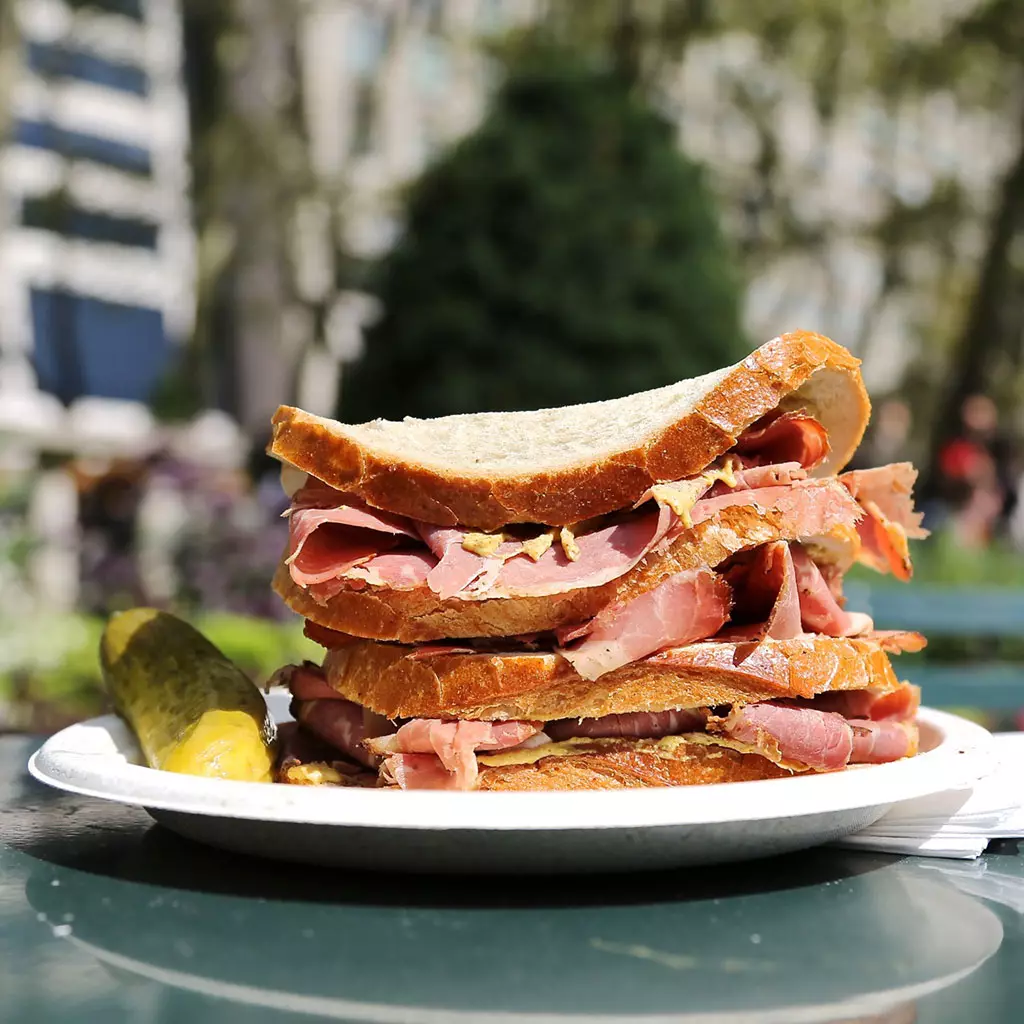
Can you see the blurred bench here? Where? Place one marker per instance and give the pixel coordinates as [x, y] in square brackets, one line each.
[952, 612]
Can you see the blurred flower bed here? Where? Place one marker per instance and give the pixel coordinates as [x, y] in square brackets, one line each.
[82, 539]
[50, 672]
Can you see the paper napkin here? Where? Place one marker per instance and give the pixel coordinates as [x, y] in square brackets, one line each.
[959, 823]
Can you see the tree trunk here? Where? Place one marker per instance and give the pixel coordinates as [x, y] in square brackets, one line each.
[983, 333]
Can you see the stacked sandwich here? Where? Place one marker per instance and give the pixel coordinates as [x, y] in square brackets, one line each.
[640, 592]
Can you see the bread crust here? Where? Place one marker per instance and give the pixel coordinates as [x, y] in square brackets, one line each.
[418, 615]
[632, 766]
[544, 686]
[775, 373]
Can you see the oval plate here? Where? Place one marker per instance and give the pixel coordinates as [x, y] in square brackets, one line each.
[511, 832]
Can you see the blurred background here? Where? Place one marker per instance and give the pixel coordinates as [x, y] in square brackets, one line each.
[391, 207]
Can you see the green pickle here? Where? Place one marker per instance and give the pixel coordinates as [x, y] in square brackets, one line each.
[192, 710]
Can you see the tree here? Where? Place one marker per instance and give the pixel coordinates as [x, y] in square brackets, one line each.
[885, 86]
[989, 351]
[263, 212]
[565, 251]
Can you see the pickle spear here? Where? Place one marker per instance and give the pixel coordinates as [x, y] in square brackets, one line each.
[192, 710]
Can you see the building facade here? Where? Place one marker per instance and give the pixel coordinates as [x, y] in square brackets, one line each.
[96, 246]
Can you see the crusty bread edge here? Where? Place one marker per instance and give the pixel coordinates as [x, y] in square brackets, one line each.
[633, 764]
[640, 763]
[770, 375]
[544, 686]
[623, 764]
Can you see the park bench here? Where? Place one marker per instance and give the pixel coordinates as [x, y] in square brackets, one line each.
[948, 611]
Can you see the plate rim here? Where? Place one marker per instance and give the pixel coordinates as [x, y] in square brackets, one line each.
[962, 756]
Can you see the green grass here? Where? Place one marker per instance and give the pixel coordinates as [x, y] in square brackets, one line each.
[55, 661]
[940, 560]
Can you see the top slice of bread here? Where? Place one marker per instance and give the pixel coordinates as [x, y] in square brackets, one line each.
[560, 466]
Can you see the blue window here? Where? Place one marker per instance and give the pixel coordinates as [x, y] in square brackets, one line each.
[122, 155]
[53, 60]
[53, 213]
[85, 346]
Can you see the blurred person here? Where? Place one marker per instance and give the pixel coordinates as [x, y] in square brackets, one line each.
[110, 494]
[52, 535]
[890, 433]
[1015, 513]
[233, 538]
[163, 518]
[973, 467]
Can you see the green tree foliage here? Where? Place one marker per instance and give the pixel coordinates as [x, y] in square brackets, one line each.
[565, 251]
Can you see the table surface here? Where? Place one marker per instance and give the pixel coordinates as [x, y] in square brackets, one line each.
[105, 916]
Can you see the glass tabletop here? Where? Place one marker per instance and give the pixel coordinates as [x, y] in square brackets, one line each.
[105, 916]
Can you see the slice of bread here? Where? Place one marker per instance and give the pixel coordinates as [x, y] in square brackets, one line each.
[420, 615]
[543, 686]
[599, 764]
[561, 466]
[689, 760]
[632, 764]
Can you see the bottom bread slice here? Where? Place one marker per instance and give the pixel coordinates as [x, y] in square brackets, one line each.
[631, 764]
[581, 764]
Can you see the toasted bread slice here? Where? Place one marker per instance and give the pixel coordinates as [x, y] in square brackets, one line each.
[597, 764]
[420, 615]
[561, 466]
[688, 760]
[633, 764]
[401, 682]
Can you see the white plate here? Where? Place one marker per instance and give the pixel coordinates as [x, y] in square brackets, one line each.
[518, 832]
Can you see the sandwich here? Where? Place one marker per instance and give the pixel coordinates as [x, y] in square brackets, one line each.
[646, 591]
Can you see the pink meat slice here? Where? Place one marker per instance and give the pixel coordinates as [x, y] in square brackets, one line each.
[819, 610]
[330, 532]
[753, 477]
[396, 570]
[417, 771]
[885, 494]
[342, 723]
[305, 681]
[457, 569]
[880, 742]
[332, 550]
[784, 620]
[685, 607]
[765, 591]
[883, 543]
[890, 488]
[634, 725]
[454, 743]
[900, 704]
[604, 555]
[352, 545]
[339, 507]
[814, 507]
[785, 437]
[819, 739]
